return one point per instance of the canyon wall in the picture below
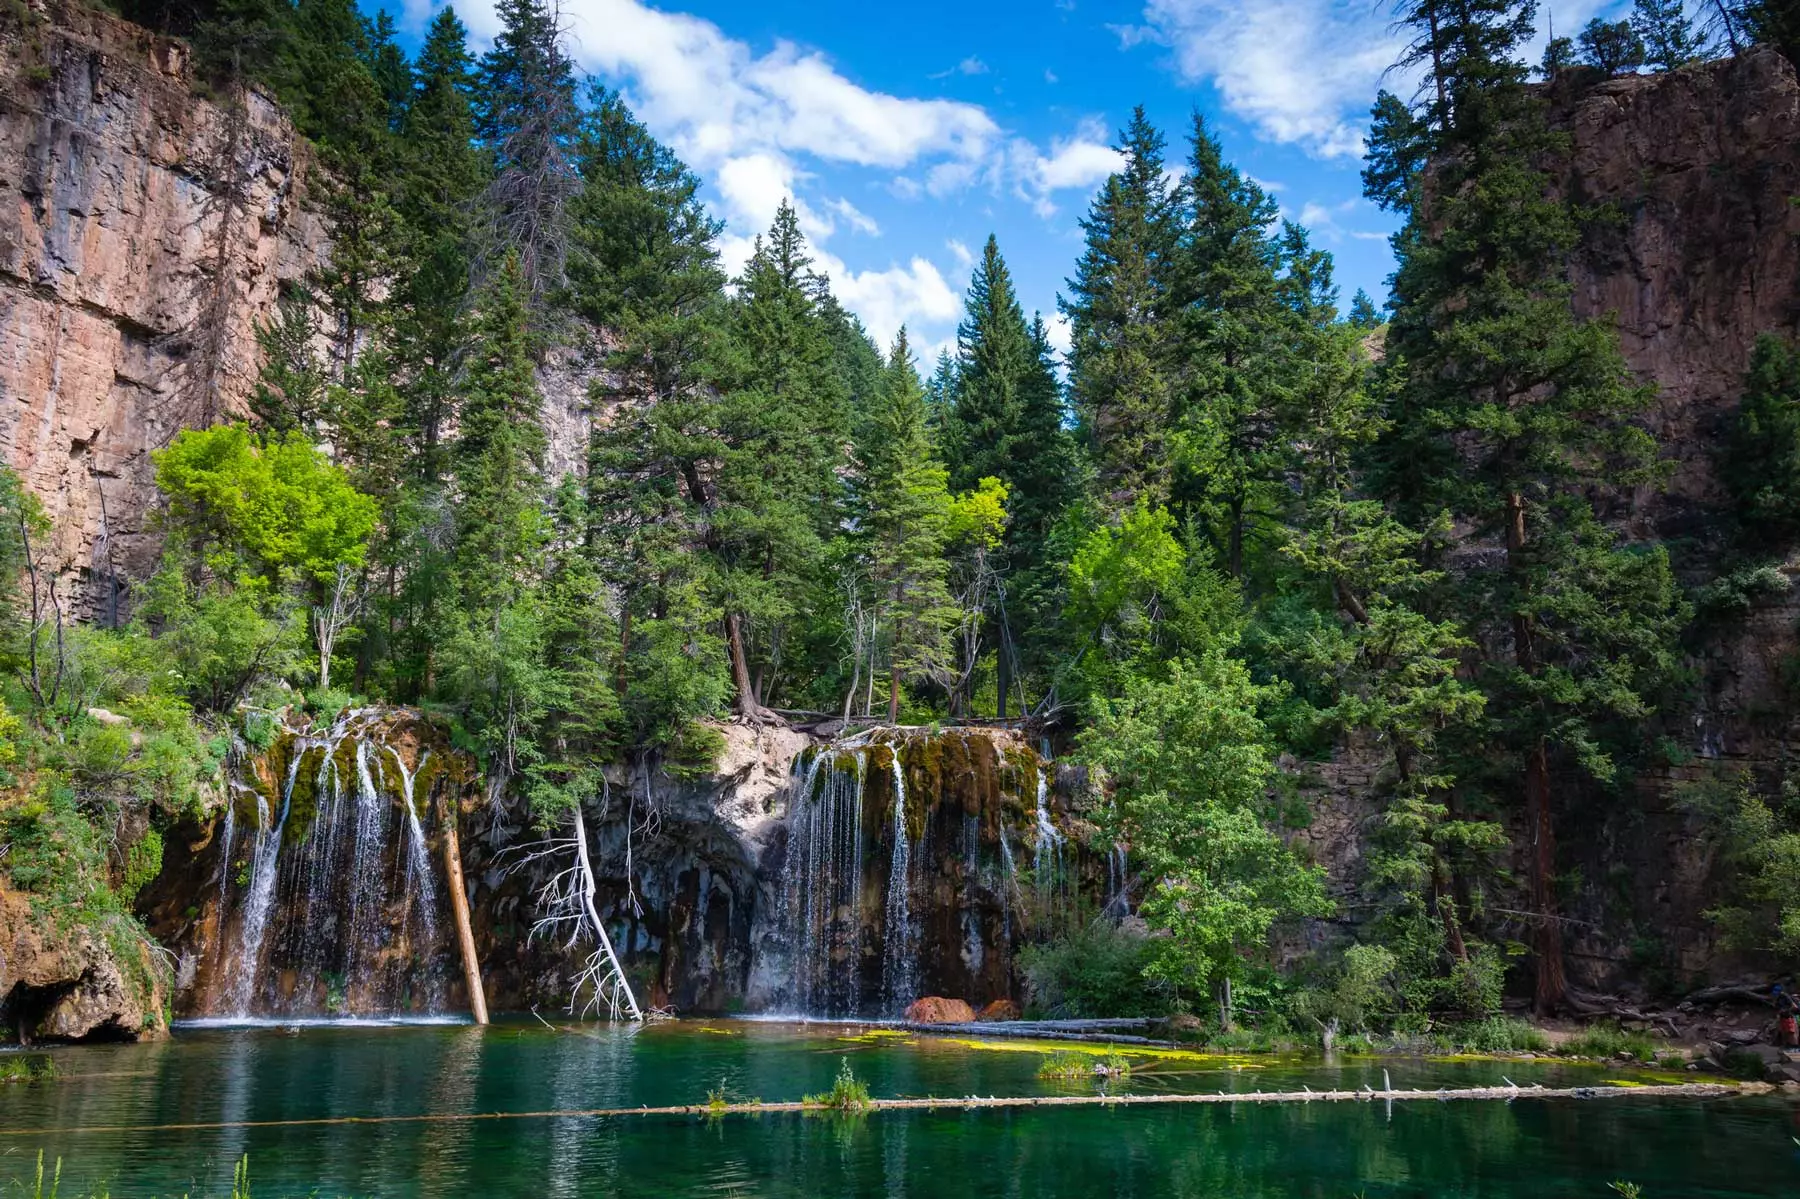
(144, 233)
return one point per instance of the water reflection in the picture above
(280, 1093)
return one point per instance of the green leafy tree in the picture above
(1189, 768)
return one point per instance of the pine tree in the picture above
(1514, 415)
(1666, 34)
(528, 120)
(1120, 318)
(1235, 373)
(1610, 47)
(1363, 313)
(782, 426)
(903, 518)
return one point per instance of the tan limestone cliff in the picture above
(144, 232)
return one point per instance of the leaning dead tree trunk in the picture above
(567, 902)
(459, 904)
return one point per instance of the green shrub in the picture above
(1093, 972)
(32, 1068)
(1066, 1064)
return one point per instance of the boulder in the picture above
(1000, 1009)
(933, 1009)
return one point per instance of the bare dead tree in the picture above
(334, 616)
(567, 903)
(46, 610)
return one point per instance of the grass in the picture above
(27, 1069)
(848, 1093)
(1073, 1064)
(1501, 1034)
(240, 1181)
(1601, 1040)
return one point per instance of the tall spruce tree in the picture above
(903, 518)
(1666, 33)
(1121, 357)
(1516, 416)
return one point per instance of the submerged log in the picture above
(756, 1107)
(459, 904)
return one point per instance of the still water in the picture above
(115, 1117)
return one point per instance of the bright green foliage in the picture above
(1095, 971)
(1140, 598)
(1760, 459)
(1190, 767)
(274, 510)
(1761, 908)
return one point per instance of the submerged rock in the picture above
(936, 1010)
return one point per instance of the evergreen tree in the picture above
(1667, 35)
(1121, 358)
(1760, 460)
(1610, 47)
(1363, 313)
(1235, 372)
(527, 118)
(1515, 415)
(904, 520)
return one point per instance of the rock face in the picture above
(144, 233)
(796, 876)
(69, 987)
(1700, 251)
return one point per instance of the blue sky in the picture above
(907, 132)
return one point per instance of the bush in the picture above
(1093, 972)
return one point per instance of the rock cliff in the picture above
(144, 233)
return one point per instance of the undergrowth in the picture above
(848, 1093)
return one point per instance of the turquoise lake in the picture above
(116, 1119)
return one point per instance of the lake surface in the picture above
(115, 1119)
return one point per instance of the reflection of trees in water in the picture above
(591, 1067)
(443, 1148)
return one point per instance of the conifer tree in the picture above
(904, 519)
(1363, 313)
(1610, 47)
(1666, 34)
(1514, 414)
(527, 118)
(1120, 316)
(1234, 372)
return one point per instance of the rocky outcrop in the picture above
(144, 233)
(65, 985)
(1696, 245)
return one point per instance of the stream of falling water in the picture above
(347, 913)
(900, 956)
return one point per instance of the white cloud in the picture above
(854, 217)
(968, 66)
(1079, 161)
(915, 295)
(965, 257)
(1323, 221)
(1301, 71)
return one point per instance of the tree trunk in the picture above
(747, 704)
(1548, 936)
(1551, 984)
(894, 694)
(459, 906)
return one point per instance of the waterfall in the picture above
(900, 958)
(1047, 839)
(264, 856)
(340, 912)
(820, 905)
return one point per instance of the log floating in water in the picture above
(1690, 1090)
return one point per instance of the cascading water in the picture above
(336, 910)
(898, 877)
(900, 955)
